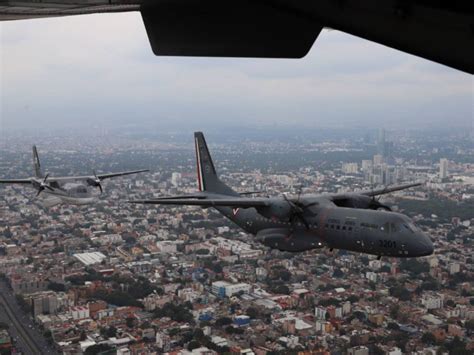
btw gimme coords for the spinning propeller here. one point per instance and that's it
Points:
(376, 201)
(96, 182)
(298, 209)
(43, 185)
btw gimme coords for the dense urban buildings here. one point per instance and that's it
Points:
(119, 278)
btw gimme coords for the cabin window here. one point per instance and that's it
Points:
(394, 228)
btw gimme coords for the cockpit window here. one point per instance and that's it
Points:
(409, 226)
(394, 228)
(385, 228)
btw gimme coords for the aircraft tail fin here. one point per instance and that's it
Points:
(206, 173)
(36, 163)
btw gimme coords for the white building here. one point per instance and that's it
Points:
(371, 276)
(378, 160)
(320, 313)
(219, 341)
(226, 289)
(454, 268)
(175, 179)
(350, 168)
(90, 258)
(79, 312)
(289, 342)
(110, 239)
(346, 308)
(366, 166)
(167, 246)
(237, 288)
(322, 326)
(432, 301)
(163, 341)
(358, 350)
(375, 264)
(394, 351)
(443, 168)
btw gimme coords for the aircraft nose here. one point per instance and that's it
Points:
(425, 245)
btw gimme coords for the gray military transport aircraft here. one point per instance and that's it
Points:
(73, 190)
(350, 221)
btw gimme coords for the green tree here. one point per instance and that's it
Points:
(252, 312)
(393, 326)
(130, 322)
(394, 311)
(338, 273)
(223, 321)
(98, 349)
(193, 344)
(457, 347)
(25, 306)
(428, 338)
(56, 287)
(176, 312)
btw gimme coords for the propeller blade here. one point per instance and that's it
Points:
(298, 210)
(97, 182)
(43, 185)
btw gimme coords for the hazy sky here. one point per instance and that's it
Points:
(99, 69)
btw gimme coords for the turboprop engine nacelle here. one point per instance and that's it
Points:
(277, 209)
(359, 201)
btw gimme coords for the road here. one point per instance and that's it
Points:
(26, 334)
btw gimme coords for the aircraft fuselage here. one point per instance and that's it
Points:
(360, 230)
(69, 193)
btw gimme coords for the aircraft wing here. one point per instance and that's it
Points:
(201, 196)
(64, 179)
(123, 173)
(227, 202)
(388, 190)
(15, 181)
(29, 9)
(440, 31)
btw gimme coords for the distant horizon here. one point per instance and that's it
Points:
(219, 134)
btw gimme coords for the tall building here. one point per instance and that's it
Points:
(350, 168)
(175, 179)
(443, 168)
(381, 146)
(366, 165)
(378, 160)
